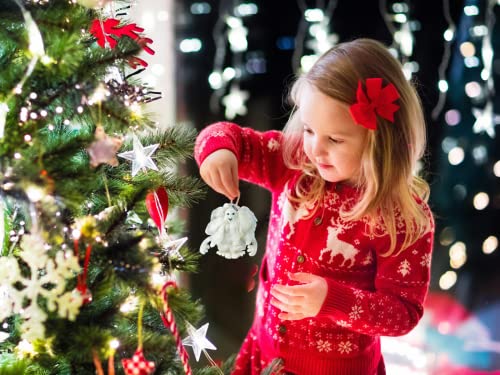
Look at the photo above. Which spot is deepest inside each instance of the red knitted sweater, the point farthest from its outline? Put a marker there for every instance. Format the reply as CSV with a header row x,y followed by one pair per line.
x,y
368,295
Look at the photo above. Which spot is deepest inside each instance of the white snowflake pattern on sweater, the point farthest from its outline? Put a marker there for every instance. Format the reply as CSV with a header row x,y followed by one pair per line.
x,y
346,347
273,145
426,261
356,312
323,346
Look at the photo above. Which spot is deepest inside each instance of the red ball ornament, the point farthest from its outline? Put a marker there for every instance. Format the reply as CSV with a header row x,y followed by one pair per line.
x,y
157,206
138,365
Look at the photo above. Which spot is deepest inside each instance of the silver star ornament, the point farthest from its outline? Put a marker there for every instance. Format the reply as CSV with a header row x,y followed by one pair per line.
x,y
197,340
140,156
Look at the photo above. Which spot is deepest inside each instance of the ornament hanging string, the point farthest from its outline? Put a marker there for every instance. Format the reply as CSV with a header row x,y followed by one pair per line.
x,y
81,284
237,200
163,215
138,364
169,321
139,326
105,180
97,363
161,229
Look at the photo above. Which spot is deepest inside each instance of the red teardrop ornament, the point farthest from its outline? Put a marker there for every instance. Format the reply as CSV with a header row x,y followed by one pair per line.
x,y
157,206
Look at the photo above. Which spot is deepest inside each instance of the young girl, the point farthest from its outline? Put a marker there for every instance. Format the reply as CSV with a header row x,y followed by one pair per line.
x,y
350,234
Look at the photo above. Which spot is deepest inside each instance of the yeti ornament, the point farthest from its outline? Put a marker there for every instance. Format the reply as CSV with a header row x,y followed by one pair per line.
x,y
232,230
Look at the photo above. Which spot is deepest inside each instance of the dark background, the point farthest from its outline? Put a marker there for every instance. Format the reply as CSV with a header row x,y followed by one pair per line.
x,y
222,284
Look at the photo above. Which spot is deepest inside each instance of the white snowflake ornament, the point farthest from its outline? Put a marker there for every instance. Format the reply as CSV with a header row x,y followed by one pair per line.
x,y
232,230
46,280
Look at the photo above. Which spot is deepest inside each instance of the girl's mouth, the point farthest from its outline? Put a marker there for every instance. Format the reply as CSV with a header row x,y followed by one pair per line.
x,y
324,166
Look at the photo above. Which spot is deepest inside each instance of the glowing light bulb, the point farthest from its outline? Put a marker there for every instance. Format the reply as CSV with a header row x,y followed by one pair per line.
x,y
130,304
448,35
496,168
458,255
190,45
471,10
456,155
481,201
215,80
452,117
473,89
314,15
447,280
467,49
490,244
443,85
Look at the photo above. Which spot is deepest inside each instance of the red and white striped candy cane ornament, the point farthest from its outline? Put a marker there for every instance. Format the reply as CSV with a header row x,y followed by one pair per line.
x,y
168,319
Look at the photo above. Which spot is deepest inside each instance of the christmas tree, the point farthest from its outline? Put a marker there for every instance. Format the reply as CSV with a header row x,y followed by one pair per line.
x,y
89,256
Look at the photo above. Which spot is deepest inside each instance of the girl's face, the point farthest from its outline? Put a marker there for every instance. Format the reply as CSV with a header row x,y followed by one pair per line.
x,y
332,140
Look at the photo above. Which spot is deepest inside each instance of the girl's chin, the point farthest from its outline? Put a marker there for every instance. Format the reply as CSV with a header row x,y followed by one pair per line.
x,y
328,176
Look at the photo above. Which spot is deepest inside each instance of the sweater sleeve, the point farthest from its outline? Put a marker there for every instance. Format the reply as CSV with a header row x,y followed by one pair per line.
x,y
259,155
396,305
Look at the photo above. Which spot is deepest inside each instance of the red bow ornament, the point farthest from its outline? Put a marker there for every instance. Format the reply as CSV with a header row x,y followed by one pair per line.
x,y
107,32
379,101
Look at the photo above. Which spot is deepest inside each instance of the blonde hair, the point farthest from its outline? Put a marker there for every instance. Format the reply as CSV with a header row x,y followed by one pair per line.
x,y
387,183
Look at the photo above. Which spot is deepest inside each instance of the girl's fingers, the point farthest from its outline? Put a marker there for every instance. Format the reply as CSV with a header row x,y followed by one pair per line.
x,y
285,307
234,176
228,183
289,290
287,298
214,181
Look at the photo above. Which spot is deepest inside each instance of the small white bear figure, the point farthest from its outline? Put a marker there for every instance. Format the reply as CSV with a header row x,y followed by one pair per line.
x,y
232,230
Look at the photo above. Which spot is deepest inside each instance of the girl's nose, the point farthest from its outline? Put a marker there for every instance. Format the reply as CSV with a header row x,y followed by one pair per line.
x,y
319,148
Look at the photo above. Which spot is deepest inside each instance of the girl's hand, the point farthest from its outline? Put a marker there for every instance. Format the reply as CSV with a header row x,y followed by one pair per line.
x,y
300,301
220,171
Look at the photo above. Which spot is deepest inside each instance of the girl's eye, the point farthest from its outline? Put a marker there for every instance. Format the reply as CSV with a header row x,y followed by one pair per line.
x,y
336,141
307,130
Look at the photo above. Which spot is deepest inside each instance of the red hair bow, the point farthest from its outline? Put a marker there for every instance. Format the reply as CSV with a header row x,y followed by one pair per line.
x,y
379,101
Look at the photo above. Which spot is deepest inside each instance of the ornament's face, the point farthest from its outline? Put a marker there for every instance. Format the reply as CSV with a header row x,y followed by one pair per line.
x,y
230,214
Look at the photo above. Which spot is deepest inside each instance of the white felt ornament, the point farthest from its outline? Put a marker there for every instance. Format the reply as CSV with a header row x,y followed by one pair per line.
x,y
232,230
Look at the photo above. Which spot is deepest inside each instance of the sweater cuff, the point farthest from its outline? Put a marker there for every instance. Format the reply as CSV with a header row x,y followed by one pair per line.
x,y
221,135
338,302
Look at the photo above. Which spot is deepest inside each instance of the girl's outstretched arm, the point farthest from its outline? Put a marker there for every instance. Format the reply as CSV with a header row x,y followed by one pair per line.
x,y
258,154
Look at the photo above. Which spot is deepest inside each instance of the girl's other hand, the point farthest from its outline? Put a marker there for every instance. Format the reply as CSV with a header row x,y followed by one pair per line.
x,y
220,171
300,301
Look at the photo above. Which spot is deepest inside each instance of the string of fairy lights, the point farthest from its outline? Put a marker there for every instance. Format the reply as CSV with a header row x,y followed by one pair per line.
x,y
313,33
401,26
